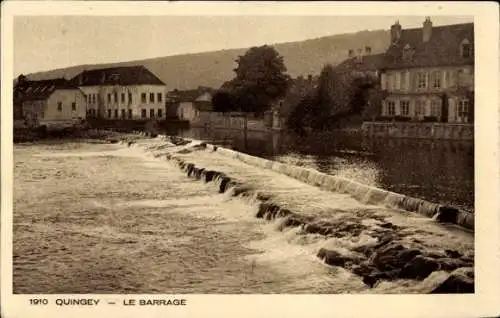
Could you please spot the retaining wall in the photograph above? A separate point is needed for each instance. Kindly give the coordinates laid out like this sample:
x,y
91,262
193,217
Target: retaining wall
x,y
446,131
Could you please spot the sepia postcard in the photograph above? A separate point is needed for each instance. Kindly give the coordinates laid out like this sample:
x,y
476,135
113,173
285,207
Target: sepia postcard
x,y
263,159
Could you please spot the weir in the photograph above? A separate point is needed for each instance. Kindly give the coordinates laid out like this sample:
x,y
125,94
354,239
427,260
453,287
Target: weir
x,y
364,193
398,251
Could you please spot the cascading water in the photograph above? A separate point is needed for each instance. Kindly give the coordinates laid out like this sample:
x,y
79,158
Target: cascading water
x,y
230,227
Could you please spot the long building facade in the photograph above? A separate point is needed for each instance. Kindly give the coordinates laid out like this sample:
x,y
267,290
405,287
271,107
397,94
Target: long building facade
x,y
428,73
122,93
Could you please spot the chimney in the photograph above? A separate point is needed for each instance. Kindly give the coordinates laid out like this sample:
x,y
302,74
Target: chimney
x,y
368,50
309,79
427,29
395,32
359,55
351,53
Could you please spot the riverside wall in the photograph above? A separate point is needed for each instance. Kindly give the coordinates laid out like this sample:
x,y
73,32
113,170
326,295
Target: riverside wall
x,y
441,131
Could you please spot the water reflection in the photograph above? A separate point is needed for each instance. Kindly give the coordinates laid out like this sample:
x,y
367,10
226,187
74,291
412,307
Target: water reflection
x,y
439,171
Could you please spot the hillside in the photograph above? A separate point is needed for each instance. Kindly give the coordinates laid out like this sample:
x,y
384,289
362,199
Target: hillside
x,y
214,68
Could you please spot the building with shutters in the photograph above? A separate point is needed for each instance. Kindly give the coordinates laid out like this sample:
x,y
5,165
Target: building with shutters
x,y
429,73
131,92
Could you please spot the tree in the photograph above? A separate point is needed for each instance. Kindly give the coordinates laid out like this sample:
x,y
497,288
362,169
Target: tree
x,y
260,79
222,102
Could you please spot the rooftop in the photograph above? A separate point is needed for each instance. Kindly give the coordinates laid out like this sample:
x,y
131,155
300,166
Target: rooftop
x,y
364,63
125,75
40,90
443,47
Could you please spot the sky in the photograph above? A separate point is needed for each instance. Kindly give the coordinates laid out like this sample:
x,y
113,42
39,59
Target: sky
x,y
47,42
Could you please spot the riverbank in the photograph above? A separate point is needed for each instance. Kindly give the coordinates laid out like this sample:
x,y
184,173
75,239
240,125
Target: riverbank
x,y
70,135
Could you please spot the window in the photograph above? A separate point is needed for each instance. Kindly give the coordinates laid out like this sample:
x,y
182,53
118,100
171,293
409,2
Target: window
x,y
42,114
109,98
419,108
93,98
422,80
160,113
143,97
403,80
116,97
152,113
392,81
143,111
116,113
466,49
59,106
73,106
123,97
436,80
404,107
123,113
398,80
407,52
130,114
151,97
463,110
391,108
436,108
130,98
159,97
109,113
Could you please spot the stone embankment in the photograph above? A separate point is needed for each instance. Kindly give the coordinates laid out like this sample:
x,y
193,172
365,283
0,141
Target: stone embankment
x,y
397,252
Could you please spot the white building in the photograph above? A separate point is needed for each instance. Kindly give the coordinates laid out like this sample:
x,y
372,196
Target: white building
x,y
52,103
130,92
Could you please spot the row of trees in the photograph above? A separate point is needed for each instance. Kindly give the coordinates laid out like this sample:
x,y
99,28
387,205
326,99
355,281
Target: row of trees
x,y
261,79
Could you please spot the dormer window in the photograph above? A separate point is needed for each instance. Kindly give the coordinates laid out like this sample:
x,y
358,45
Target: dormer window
x,y
407,52
466,49
114,77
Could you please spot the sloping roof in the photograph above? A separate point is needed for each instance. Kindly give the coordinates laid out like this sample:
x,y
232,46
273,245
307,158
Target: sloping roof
x,y
366,63
126,75
39,90
442,49
188,95
203,106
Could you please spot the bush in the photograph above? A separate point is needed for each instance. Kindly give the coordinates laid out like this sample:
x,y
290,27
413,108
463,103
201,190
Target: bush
x,y
383,118
402,118
430,119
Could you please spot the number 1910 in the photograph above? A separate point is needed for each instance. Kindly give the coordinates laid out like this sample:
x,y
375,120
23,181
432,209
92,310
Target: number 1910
x,y
39,301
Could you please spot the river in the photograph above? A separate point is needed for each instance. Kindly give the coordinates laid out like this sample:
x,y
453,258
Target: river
x,y
435,170
103,218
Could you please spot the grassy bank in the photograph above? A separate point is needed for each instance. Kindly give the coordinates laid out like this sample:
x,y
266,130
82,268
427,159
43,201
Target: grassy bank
x,y
71,134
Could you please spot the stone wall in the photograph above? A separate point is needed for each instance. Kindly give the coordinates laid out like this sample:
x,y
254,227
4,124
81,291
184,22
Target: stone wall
x,y
443,131
235,121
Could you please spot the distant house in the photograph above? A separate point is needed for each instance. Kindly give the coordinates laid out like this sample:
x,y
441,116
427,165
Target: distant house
x,y
50,103
362,64
429,72
190,105
130,92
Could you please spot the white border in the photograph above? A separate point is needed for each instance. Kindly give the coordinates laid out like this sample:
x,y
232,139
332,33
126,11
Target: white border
x,y
483,303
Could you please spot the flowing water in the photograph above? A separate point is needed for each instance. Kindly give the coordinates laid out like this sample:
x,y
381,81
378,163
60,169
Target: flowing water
x,y
434,170
101,218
